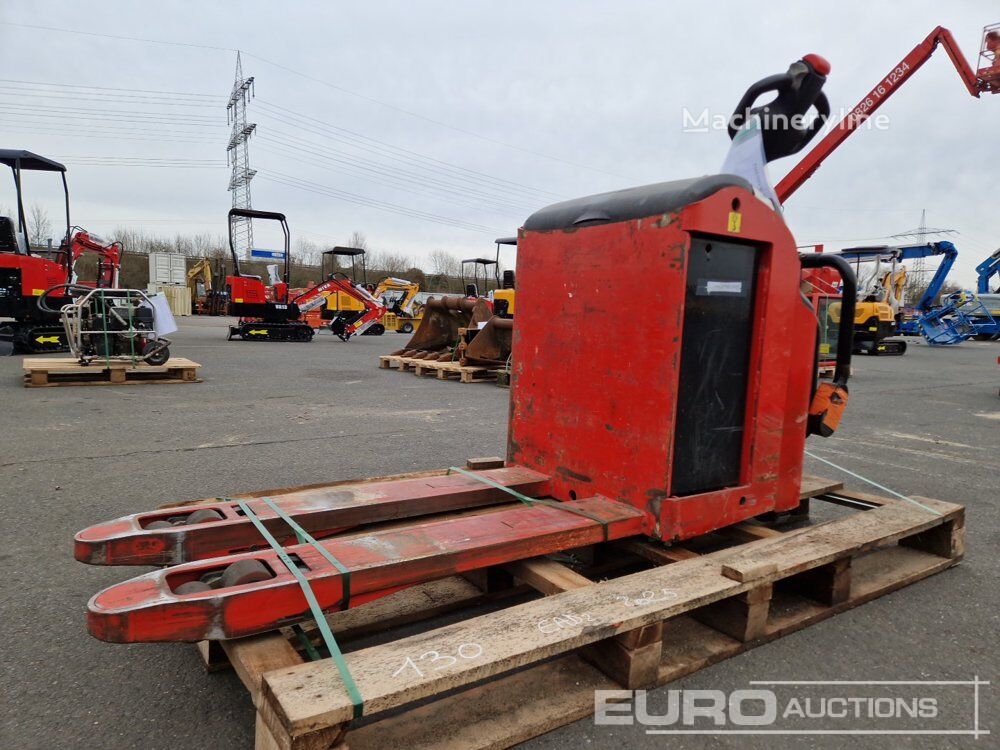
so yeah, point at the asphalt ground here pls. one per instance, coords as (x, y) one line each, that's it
(274, 415)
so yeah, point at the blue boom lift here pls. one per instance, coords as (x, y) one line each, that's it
(956, 319)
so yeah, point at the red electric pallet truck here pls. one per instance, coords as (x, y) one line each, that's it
(683, 424)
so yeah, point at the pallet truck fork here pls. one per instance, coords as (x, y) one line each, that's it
(702, 426)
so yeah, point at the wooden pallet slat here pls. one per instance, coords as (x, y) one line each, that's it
(311, 694)
(492, 680)
(441, 370)
(40, 372)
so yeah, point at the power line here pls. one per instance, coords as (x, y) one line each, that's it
(328, 84)
(113, 137)
(308, 186)
(35, 123)
(433, 121)
(121, 95)
(376, 172)
(388, 180)
(352, 137)
(61, 96)
(455, 180)
(119, 37)
(320, 189)
(203, 119)
(110, 88)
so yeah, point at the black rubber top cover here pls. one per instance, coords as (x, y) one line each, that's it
(631, 203)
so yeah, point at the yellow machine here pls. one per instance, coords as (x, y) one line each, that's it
(490, 345)
(504, 293)
(403, 313)
(881, 284)
(208, 293)
(199, 281)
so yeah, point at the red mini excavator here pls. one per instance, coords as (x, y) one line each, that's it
(685, 423)
(344, 323)
(27, 274)
(263, 316)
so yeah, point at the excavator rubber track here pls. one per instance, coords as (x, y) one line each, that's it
(272, 332)
(883, 348)
(40, 339)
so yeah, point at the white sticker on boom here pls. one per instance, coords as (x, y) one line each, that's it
(723, 287)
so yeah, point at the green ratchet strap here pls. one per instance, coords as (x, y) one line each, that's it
(131, 328)
(874, 484)
(307, 645)
(324, 627)
(305, 538)
(104, 322)
(534, 500)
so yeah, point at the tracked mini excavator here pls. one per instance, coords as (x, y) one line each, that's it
(399, 297)
(684, 424)
(261, 318)
(26, 275)
(356, 312)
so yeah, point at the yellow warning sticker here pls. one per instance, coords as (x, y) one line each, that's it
(824, 348)
(37, 292)
(735, 221)
(258, 332)
(47, 339)
(872, 328)
(238, 300)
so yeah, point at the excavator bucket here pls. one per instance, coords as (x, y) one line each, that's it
(491, 345)
(438, 333)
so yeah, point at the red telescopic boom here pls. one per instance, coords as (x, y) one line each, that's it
(975, 83)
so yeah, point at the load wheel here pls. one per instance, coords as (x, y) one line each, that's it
(160, 525)
(205, 514)
(406, 328)
(192, 587)
(159, 358)
(245, 571)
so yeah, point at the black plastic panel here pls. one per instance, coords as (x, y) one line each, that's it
(714, 370)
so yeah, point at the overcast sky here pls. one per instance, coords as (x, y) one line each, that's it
(461, 118)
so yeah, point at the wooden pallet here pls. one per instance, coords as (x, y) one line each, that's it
(826, 371)
(443, 370)
(493, 680)
(41, 372)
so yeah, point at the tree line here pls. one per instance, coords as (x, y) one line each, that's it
(441, 272)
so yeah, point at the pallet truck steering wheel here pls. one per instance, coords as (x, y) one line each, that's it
(783, 118)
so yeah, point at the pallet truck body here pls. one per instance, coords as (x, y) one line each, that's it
(692, 432)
